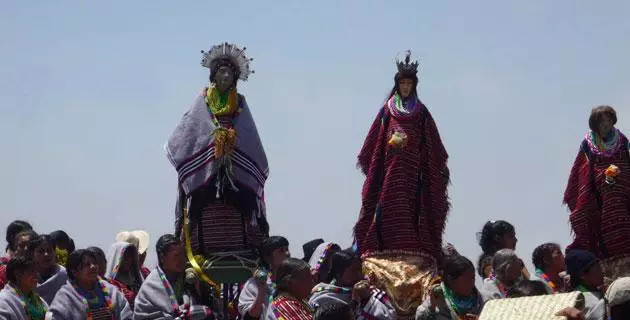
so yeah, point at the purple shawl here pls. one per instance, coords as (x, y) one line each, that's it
(190, 149)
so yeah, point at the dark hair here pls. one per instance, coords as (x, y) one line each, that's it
(75, 261)
(287, 271)
(38, 241)
(528, 288)
(60, 237)
(26, 233)
(333, 311)
(13, 229)
(579, 262)
(454, 266)
(339, 262)
(270, 245)
(217, 64)
(18, 264)
(163, 245)
(543, 254)
(98, 253)
(490, 233)
(598, 113)
(483, 261)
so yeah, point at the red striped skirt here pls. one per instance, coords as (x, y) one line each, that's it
(222, 228)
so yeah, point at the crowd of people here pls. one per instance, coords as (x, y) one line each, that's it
(44, 277)
(221, 262)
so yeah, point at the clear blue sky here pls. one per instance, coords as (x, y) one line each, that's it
(91, 90)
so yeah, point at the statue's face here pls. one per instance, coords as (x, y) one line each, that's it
(405, 87)
(605, 125)
(224, 78)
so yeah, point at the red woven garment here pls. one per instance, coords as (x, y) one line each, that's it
(600, 212)
(407, 185)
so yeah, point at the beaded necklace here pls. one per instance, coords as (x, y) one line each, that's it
(502, 289)
(32, 304)
(460, 306)
(547, 280)
(169, 290)
(89, 303)
(223, 105)
(398, 107)
(601, 147)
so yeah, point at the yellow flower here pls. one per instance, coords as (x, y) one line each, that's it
(398, 140)
(612, 171)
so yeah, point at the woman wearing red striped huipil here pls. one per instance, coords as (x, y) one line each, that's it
(221, 163)
(404, 199)
(598, 194)
(294, 283)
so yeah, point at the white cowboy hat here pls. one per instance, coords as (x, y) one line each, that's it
(126, 236)
(143, 240)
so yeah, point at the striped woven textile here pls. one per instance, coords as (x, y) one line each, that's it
(289, 308)
(602, 225)
(222, 228)
(404, 198)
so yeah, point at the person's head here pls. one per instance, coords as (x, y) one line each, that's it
(484, 265)
(22, 273)
(100, 259)
(320, 261)
(21, 242)
(584, 269)
(618, 297)
(13, 229)
(273, 251)
(224, 74)
(406, 79)
(83, 268)
(334, 311)
(507, 266)
(458, 274)
(171, 254)
(548, 257)
(602, 120)
(497, 235)
(528, 288)
(294, 277)
(62, 240)
(345, 269)
(123, 260)
(42, 249)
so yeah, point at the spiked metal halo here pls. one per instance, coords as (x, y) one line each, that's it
(227, 51)
(406, 66)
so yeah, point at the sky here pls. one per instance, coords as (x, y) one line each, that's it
(91, 90)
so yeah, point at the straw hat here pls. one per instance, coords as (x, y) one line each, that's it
(531, 308)
(126, 236)
(618, 292)
(143, 240)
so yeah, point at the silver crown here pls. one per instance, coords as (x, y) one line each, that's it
(227, 51)
(407, 66)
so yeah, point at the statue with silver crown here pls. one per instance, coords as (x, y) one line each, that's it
(404, 199)
(222, 169)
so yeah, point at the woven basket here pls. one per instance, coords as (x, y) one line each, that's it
(531, 308)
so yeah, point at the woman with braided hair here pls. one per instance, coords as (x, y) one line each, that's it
(404, 198)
